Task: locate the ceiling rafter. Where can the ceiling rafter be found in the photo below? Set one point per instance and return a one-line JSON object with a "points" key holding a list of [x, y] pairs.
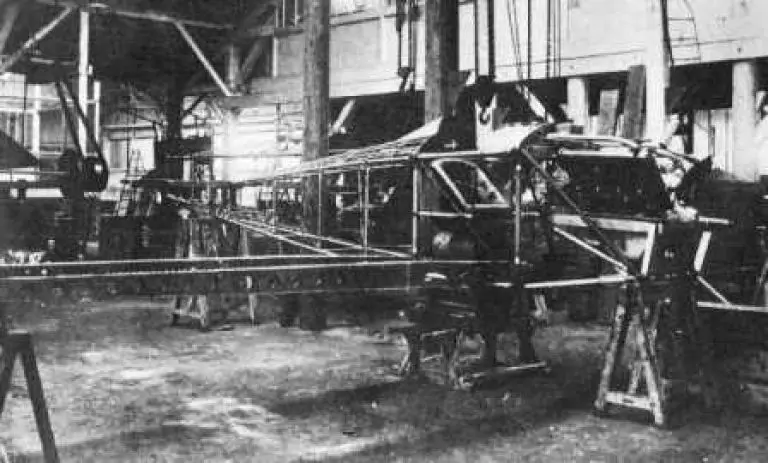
{"points": [[103, 8]]}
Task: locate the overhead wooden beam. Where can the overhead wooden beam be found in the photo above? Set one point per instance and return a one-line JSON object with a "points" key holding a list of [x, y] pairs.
{"points": [[442, 56], [203, 60], [34, 40], [249, 29], [100, 8]]}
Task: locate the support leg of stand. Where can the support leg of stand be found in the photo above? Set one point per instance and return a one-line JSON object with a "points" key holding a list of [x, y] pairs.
{"points": [[39, 407], [630, 312], [612, 356], [8, 360], [651, 370], [20, 343], [253, 299]]}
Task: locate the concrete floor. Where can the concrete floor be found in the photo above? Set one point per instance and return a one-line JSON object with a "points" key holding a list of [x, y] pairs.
{"points": [[123, 386]]}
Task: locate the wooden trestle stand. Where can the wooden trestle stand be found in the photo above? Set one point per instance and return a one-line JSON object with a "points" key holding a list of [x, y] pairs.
{"points": [[672, 323], [203, 237], [14, 344]]}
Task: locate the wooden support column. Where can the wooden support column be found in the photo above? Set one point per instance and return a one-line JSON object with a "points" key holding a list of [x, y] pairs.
{"points": [[173, 110], [442, 56], [657, 74], [578, 101], [82, 77], [234, 81], [482, 42], [316, 100], [744, 112], [234, 78], [316, 117]]}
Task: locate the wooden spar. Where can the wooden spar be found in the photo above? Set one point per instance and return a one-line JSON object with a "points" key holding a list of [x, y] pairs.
{"points": [[442, 56], [101, 8], [316, 101]]}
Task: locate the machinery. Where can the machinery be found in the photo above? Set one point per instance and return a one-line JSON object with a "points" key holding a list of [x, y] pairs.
{"points": [[62, 234]]}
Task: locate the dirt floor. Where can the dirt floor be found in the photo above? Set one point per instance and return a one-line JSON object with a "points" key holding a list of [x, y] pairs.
{"points": [[122, 386]]}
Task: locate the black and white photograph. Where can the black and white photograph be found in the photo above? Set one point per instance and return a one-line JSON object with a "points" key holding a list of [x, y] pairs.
{"points": [[340, 231]]}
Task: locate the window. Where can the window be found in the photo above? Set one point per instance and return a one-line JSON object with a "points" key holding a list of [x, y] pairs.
{"points": [[18, 127], [290, 13], [118, 154]]}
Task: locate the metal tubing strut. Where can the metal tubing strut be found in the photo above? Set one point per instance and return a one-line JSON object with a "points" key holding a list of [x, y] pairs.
{"points": [[586, 218]]}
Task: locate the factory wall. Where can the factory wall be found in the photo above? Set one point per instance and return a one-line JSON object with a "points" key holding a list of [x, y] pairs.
{"points": [[582, 39], [572, 38]]}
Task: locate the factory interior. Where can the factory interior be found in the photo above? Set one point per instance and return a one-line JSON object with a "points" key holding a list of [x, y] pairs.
{"points": [[383, 230]]}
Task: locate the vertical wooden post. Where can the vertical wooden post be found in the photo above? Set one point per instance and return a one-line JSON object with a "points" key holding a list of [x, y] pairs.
{"points": [[316, 109], [442, 56], [233, 76], [316, 99], [633, 103], [657, 74], [744, 110], [234, 79], [578, 101], [82, 77], [482, 50]]}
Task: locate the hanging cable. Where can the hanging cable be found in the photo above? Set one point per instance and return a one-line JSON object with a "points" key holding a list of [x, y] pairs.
{"points": [[559, 41], [530, 38], [476, 12], [548, 52], [413, 17]]}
